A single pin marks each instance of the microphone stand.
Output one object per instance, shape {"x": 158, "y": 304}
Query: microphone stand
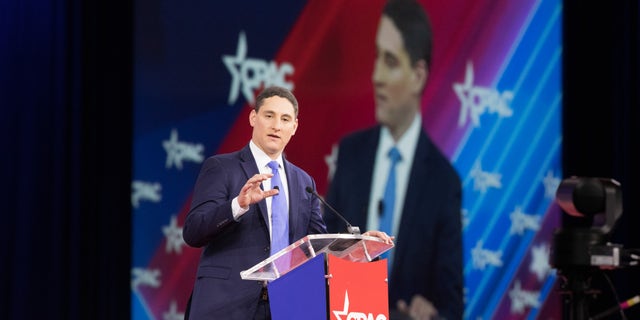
{"x": 351, "y": 229}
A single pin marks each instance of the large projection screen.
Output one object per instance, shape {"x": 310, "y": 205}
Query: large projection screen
{"x": 492, "y": 104}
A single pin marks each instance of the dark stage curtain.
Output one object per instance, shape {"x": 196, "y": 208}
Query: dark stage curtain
{"x": 600, "y": 125}
{"x": 65, "y": 98}
{"x": 66, "y": 123}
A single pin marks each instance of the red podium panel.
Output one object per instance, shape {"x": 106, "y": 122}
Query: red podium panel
{"x": 357, "y": 290}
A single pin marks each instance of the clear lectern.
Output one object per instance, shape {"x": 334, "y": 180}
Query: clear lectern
{"x": 326, "y": 276}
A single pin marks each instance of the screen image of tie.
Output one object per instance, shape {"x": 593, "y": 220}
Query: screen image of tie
{"x": 389, "y": 196}
{"x": 279, "y": 213}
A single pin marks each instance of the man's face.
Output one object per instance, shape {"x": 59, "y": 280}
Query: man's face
{"x": 397, "y": 84}
{"x": 273, "y": 125}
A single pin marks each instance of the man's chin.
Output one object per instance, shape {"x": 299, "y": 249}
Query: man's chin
{"x": 381, "y": 119}
{"x": 273, "y": 148}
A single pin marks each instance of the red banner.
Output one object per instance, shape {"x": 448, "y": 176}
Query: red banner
{"x": 357, "y": 290}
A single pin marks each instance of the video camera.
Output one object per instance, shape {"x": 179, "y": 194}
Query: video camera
{"x": 577, "y": 252}
{"x": 601, "y": 200}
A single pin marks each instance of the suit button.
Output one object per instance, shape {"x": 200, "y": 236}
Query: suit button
{"x": 267, "y": 249}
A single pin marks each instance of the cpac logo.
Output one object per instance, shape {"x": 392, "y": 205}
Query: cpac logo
{"x": 482, "y": 257}
{"x": 145, "y": 277}
{"x": 142, "y": 190}
{"x": 178, "y": 151}
{"x": 355, "y": 315}
{"x": 483, "y": 180}
{"x": 521, "y": 221}
{"x": 251, "y": 73}
{"x": 476, "y": 100}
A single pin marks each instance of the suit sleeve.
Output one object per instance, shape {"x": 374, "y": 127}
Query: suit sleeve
{"x": 210, "y": 211}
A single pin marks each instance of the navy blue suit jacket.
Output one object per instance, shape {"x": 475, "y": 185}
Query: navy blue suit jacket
{"x": 428, "y": 251}
{"x": 232, "y": 246}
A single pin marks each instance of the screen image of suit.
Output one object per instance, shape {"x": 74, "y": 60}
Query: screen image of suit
{"x": 428, "y": 245}
{"x": 231, "y": 246}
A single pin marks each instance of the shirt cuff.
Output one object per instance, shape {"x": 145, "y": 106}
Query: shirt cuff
{"x": 236, "y": 210}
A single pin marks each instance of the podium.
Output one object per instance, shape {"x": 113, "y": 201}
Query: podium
{"x": 326, "y": 276}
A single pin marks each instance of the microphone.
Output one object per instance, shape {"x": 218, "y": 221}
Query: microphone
{"x": 350, "y": 228}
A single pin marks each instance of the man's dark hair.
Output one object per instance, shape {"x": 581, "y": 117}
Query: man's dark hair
{"x": 269, "y": 92}
{"x": 413, "y": 23}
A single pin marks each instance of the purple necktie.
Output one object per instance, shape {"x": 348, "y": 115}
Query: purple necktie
{"x": 279, "y": 213}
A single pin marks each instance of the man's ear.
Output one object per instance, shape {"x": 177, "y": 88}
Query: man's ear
{"x": 421, "y": 73}
{"x": 252, "y": 117}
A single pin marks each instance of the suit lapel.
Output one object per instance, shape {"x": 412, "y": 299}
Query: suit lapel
{"x": 294, "y": 200}
{"x": 419, "y": 182}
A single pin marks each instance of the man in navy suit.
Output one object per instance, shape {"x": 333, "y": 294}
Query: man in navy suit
{"x": 426, "y": 279}
{"x": 231, "y": 216}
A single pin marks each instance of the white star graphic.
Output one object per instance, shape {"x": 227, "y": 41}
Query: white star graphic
{"x": 464, "y": 214}
{"x": 172, "y": 148}
{"x": 551, "y": 184}
{"x": 173, "y": 314}
{"x": 522, "y": 299}
{"x": 345, "y": 311}
{"x": 540, "y": 261}
{"x": 464, "y": 93}
{"x": 331, "y": 161}
{"x": 517, "y": 303}
{"x": 173, "y": 235}
{"x": 233, "y": 65}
